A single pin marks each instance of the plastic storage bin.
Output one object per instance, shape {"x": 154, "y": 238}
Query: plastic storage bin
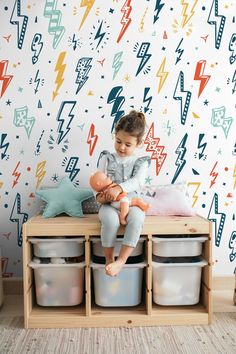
{"x": 98, "y": 250}
{"x": 177, "y": 283}
{"x": 58, "y": 247}
{"x": 177, "y": 246}
{"x": 59, "y": 284}
{"x": 123, "y": 290}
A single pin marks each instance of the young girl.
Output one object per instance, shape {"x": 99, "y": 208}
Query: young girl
{"x": 128, "y": 172}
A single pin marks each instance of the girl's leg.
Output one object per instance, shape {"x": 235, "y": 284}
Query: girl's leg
{"x": 135, "y": 220}
{"x": 109, "y": 226}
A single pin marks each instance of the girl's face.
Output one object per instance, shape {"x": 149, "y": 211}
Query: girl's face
{"x": 125, "y": 144}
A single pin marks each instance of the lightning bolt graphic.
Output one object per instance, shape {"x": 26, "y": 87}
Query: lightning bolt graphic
{"x": 234, "y": 80}
{"x": 125, "y": 21}
{"x": 232, "y": 246}
{"x": 118, "y": 101}
{"x": 21, "y": 22}
{"x": 162, "y": 75}
{"x": 65, "y": 114}
{"x": 186, "y": 18}
{"x": 201, "y": 145}
{"x": 16, "y": 174}
{"x": 89, "y": 5}
{"x": 179, "y": 51}
{"x": 4, "y": 79}
{"x": 92, "y": 139}
{"x": 168, "y": 127}
{"x": 179, "y": 89}
{"x": 60, "y": 67}
{"x": 40, "y": 172}
{"x": 147, "y": 99}
{"x": 143, "y": 55}
{"x": 218, "y": 21}
{"x": 180, "y": 162}
{"x": 217, "y": 218}
{"x": 37, "y": 81}
{"x": 157, "y": 9}
{"x": 71, "y": 167}
{"x": 54, "y": 27}
{"x": 234, "y": 176}
{"x": 218, "y": 119}
{"x": 200, "y": 76}
{"x": 18, "y": 217}
{"x": 157, "y": 150}
{"x": 213, "y": 174}
{"x": 3, "y": 146}
{"x": 117, "y": 63}
{"x": 83, "y": 68}
{"x": 99, "y": 35}
{"x": 195, "y": 196}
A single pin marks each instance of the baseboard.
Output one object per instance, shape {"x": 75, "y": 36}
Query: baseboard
{"x": 14, "y": 286}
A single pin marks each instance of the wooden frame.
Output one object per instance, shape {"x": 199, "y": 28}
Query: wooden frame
{"x": 90, "y": 315}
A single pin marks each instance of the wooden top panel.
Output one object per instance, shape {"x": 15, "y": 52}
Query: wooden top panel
{"x": 90, "y": 225}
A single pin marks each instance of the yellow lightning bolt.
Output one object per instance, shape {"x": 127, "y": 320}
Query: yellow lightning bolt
{"x": 162, "y": 74}
{"x": 186, "y": 18}
{"x": 40, "y": 172}
{"x": 60, "y": 67}
{"x": 195, "y": 196}
{"x": 234, "y": 176}
{"x": 89, "y": 4}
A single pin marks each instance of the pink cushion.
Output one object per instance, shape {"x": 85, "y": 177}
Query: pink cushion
{"x": 168, "y": 200}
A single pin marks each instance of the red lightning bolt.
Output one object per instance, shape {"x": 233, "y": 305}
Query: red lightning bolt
{"x": 6, "y": 79}
{"x": 125, "y": 21}
{"x": 200, "y": 76}
{"x": 16, "y": 174}
{"x": 92, "y": 139}
{"x": 157, "y": 150}
{"x": 214, "y": 175}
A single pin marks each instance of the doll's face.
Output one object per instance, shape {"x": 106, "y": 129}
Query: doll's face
{"x": 99, "y": 181}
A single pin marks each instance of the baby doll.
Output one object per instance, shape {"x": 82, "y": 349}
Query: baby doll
{"x": 100, "y": 182}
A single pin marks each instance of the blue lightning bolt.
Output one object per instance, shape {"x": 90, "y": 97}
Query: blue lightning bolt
{"x": 217, "y": 218}
{"x": 83, "y": 67}
{"x": 180, "y": 162}
{"x": 18, "y": 217}
{"x": 117, "y": 63}
{"x": 21, "y": 22}
{"x": 142, "y": 53}
{"x": 158, "y": 8}
{"x": 3, "y": 145}
{"x": 232, "y": 246}
{"x": 65, "y": 114}
{"x": 114, "y": 96}
{"x": 179, "y": 51}
{"x": 71, "y": 167}
{"x": 179, "y": 88}
{"x": 147, "y": 99}
{"x": 36, "y": 80}
{"x": 218, "y": 21}
{"x": 99, "y": 35}
{"x": 201, "y": 145}
{"x": 234, "y": 80}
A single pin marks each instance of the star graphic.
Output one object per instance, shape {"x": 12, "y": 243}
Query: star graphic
{"x": 206, "y": 103}
{"x": 148, "y": 180}
{"x": 8, "y": 102}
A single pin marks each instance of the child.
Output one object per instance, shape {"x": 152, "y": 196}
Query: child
{"x": 100, "y": 182}
{"x": 128, "y": 172}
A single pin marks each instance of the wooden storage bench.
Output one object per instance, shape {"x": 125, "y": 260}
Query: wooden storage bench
{"x": 88, "y": 314}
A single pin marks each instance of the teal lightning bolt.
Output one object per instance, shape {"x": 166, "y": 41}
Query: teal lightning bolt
{"x": 54, "y": 27}
{"x": 180, "y": 162}
{"x": 117, "y": 63}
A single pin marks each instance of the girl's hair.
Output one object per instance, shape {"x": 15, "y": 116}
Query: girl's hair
{"x": 133, "y": 123}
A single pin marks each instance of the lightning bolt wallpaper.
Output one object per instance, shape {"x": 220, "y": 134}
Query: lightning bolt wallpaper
{"x": 70, "y": 69}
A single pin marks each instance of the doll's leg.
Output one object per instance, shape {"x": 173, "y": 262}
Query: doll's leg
{"x": 124, "y": 209}
{"x": 135, "y": 220}
{"x": 109, "y": 226}
{"x": 140, "y": 203}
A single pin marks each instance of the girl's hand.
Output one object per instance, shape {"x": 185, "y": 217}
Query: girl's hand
{"x": 112, "y": 193}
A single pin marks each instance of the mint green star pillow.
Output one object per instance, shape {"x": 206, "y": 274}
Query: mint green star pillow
{"x": 66, "y": 198}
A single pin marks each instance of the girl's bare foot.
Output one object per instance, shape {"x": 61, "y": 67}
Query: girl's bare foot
{"x": 114, "y": 268}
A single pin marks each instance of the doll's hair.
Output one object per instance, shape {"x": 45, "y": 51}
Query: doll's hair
{"x": 133, "y": 123}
